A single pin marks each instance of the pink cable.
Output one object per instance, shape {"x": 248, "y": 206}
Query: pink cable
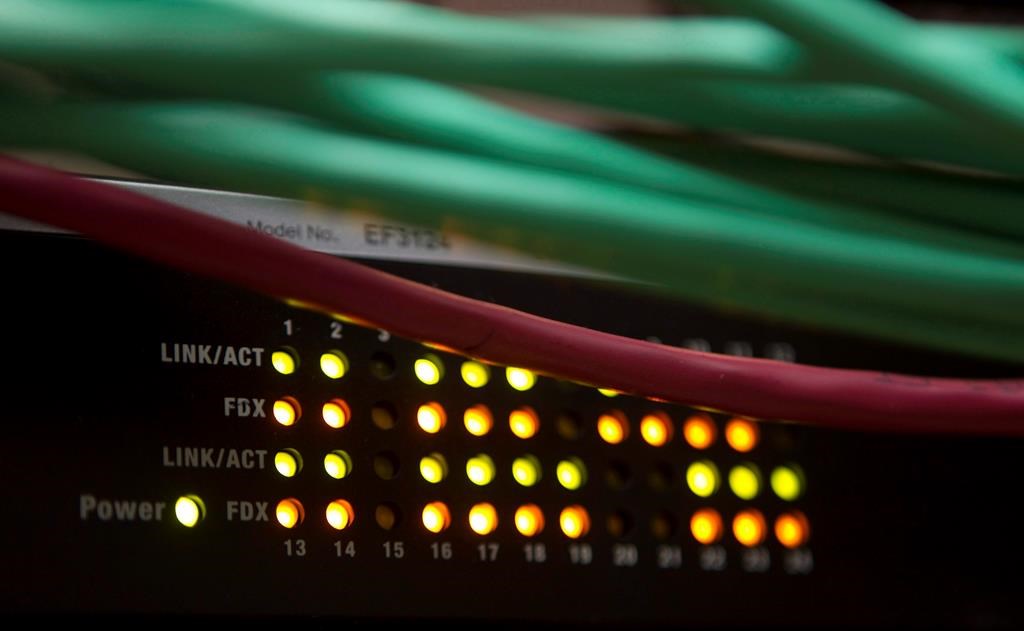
{"x": 758, "y": 388}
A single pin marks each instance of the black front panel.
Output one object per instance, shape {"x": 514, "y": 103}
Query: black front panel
{"x": 130, "y": 386}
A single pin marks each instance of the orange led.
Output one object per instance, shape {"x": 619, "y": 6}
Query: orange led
{"x": 656, "y": 429}
{"x": 574, "y": 521}
{"x": 336, "y": 413}
{"x": 741, "y": 434}
{"x": 792, "y": 529}
{"x": 749, "y": 528}
{"x": 699, "y": 431}
{"x": 529, "y": 520}
{"x": 524, "y": 422}
{"x": 436, "y": 517}
{"x": 287, "y": 411}
{"x": 478, "y": 420}
{"x": 340, "y": 514}
{"x": 706, "y": 526}
{"x": 483, "y": 518}
{"x": 289, "y": 512}
{"x": 613, "y": 427}
{"x": 431, "y": 417}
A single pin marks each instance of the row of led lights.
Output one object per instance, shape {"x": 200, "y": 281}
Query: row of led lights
{"x": 702, "y": 477}
{"x": 749, "y": 526}
{"x": 429, "y": 369}
{"x": 613, "y": 427}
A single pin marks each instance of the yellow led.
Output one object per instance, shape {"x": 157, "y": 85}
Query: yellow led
{"x": 608, "y": 393}
{"x": 337, "y": 464}
{"x": 749, "y": 528}
{"x": 529, "y": 520}
{"x": 702, "y": 478}
{"x": 284, "y": 362}
{"x": 431, "y": 417}
{"x": 433, "y": 468}
{"x": 571, "y": 473}
{"x": 287, "y": 411}
{"x": 480, "y": 470}
{"x": 340, "y": 514}
{"x": 189, "y": 510}
{"x": 745, "y": 481}
{"x": 288, "y": 462}
{"x": 289, "y": 512}
{"x": 475, "y": 374}
{"x": 336, "y": 413}
{"x": 520, "y": 378}
{"x": 613, "y": 427}
{"x": 699, "y": 431}
{"x": 526, "y": 470}
{"x": 574, "y": 521}
{"x": 741, "y": 434}
{"x": 787, "y": 482}
{"x": 706, "y": 526}
{"x": 436, "y": 517}
{"x": 483, "y": 519}
{"x": 656, "y": 429}
{"x": 478, "y": 420}
{"x": 334, "y": 364}
{"x": 524, "y": 422}
{"x": 429, "y": 369}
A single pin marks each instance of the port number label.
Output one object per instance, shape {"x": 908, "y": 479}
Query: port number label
{"x": 295, "y": 547}
{"x": 580, "y": 554}
{"x": 669, "y": 557}
{"x": 535, "y": 552}
{"x": 442, "y": 551}
{"x": 712, "y": 558}
{"x": 394, "y": 549}
{"x": 488, "y": 551}
{"x": 345, "y": 549}
{"x": 624, "y": 555}
{"x": 756, "y": 560}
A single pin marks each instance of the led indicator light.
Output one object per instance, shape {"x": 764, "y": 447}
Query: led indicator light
{"x": 706, "y": 526}
{"x": 287, "y": 411}
{"x": 478, "y": 420}
{"x": 436, "y": 517}
{"x": 656, "y": 429}
{"x": 340, "y": 514}
{"x": 524, "y": 422}
{"x": 334, "y": 364}
{"x": 480, "y": 470}
{"x": 475, "y": 374}
{"x": 741, "y": 434}
{"x": 699, "y": 431}
{"x": 288, "y": 462}
{"x": 526, "y": 470}
{"x": 431, "y": 417}
{"x": 520, "y": 378}
{"x": 749, "y": 528}
{"x": 613, "y": 427}
{"x": 284, "y": 361}
{"x": 702, "y": 478}
{"x": 429, "y": 369}
{"x": 483, "y": 519}
{"x": 787, "y": 482}
{"x": 289, "y": 512}
{"x": 529, "y": 520}
{"x": 336, "y": 413}
{"x": 571, "y": 473}
{"x": 574, "y": 521}
{"x": 433, "y": 468}
{"x": 608, "y": 393}
{"x": 189, "y": 510}
{"x": 745, "y": 481}
{"x": 338, "y": 464}
{"x": 792, "y": 529}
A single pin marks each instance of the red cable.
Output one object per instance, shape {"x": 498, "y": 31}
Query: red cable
{"x": 759, "y": 388}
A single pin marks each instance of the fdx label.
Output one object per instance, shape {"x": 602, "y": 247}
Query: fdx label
{"x": 245, "y": 407}
{"x": 242, "y": 510}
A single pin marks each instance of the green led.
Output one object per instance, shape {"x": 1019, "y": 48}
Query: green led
{"x": 745, "y": 481}
{"x": 429, "y": 369}
{"x": 702, "y": 478}
{"x": 787, "y": 482}
{"x": 433, "y": 468}
{"x": 526, "y": 470}
{"x": 571, "y": 473}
